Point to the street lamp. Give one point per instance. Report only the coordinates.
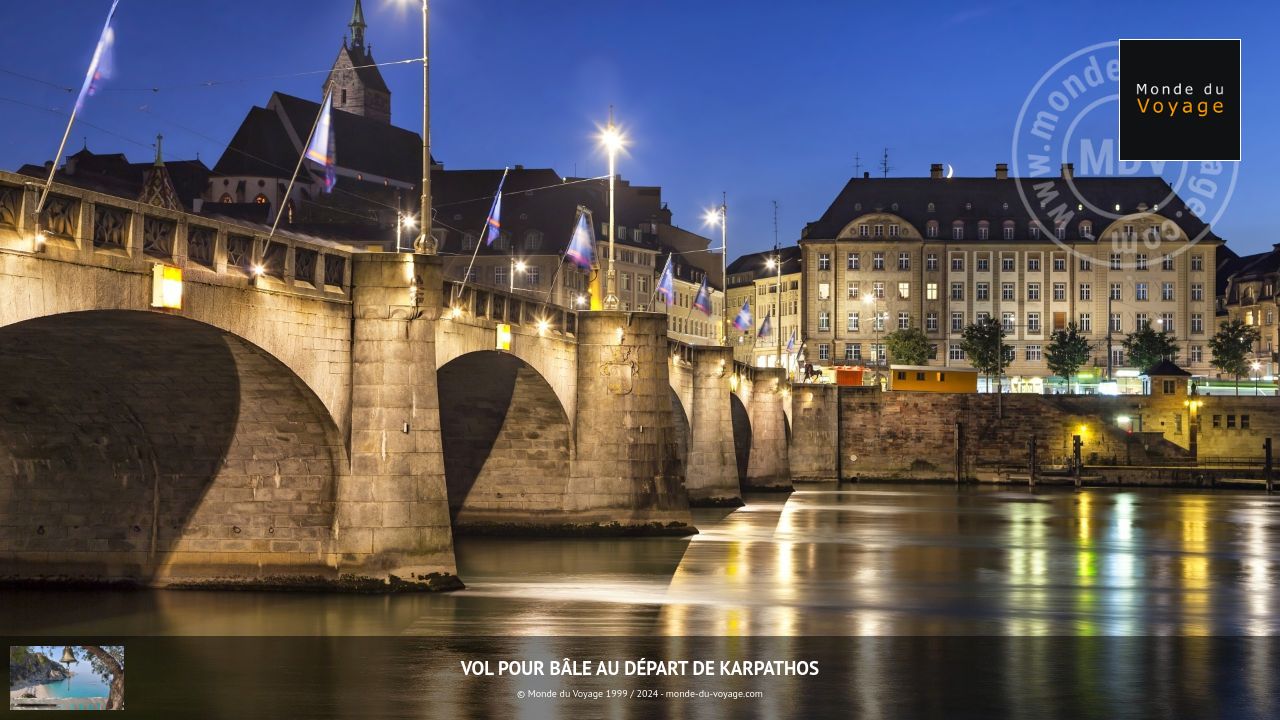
(870, 299)
(423, 238)
(720, 216)
(613, 140)
(517, 266)
(1257, 367)
(775, 263)
(407, 222)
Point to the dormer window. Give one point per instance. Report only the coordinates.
(931, 207)
(984, 230)
(1007, 230)
(957, 230)
(1086, 229)
(931, 227)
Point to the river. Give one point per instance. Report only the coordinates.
(955, 569)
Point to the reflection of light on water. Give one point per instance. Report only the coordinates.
(1193, 512)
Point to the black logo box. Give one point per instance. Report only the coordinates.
(1187, 68)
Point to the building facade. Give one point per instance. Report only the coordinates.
(754, 280)
(685, 322)
(1249, 295)
(941, 253)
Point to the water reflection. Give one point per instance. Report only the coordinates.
(827, 560)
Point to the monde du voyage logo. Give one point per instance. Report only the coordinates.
(1180, 100)
(1177, 103)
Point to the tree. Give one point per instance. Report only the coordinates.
(1066, 352)
(107, 662)
(907, 347)
(1231, 346)
(1147, 347)
(983, 344)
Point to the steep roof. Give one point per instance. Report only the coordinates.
(1165, 368)
(263, 145)
(972, 199)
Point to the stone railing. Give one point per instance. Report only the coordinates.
(93, 228)
(486, 303)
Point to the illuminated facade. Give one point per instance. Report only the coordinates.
(940, 253)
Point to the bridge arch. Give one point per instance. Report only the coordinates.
(309, 334)
(507, 440)
(150, 447)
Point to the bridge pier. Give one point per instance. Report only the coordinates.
(711, 473)
(625, 474)
(768, 467)
(391, 522)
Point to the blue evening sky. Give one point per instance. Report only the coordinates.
(763, 100)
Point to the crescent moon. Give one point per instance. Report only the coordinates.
(950, 171)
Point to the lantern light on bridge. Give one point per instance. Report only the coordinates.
(543, 326)
(504, 337)
(166, 287)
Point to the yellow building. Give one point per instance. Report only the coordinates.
(925, 378)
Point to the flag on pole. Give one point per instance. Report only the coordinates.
(766, 327)
(100, 65)
(320, 149)
(743, 321)
(702, 300)
(666, 284)
(791, 341)
(582, 247)
(493, 225)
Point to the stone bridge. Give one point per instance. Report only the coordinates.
(314, 414)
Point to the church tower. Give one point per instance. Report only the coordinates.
(357, 84)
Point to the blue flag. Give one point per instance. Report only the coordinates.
(743, 321)
(100, 65)
(702, 300)
(666, 284)
(582, 247)
(320, 149)
(766, 327)
(493, 225)
(791, 341)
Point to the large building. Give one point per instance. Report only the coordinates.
(1248, 294)
(754, 280)
(941, 253)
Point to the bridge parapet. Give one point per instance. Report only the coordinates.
(92, 228)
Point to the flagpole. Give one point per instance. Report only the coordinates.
(301, 156)
(75, 110)
(467, 275)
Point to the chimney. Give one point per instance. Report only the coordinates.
(935, 171)
(1002, 171)
(1068, 170)
(866, 174)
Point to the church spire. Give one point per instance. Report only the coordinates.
(357, 26)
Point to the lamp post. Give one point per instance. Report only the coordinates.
(870, 299)
(517, 266)
(426, 136)
(406, 222)
(612, 139)
(1257, 368)
(775, 263)
(720, 216)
